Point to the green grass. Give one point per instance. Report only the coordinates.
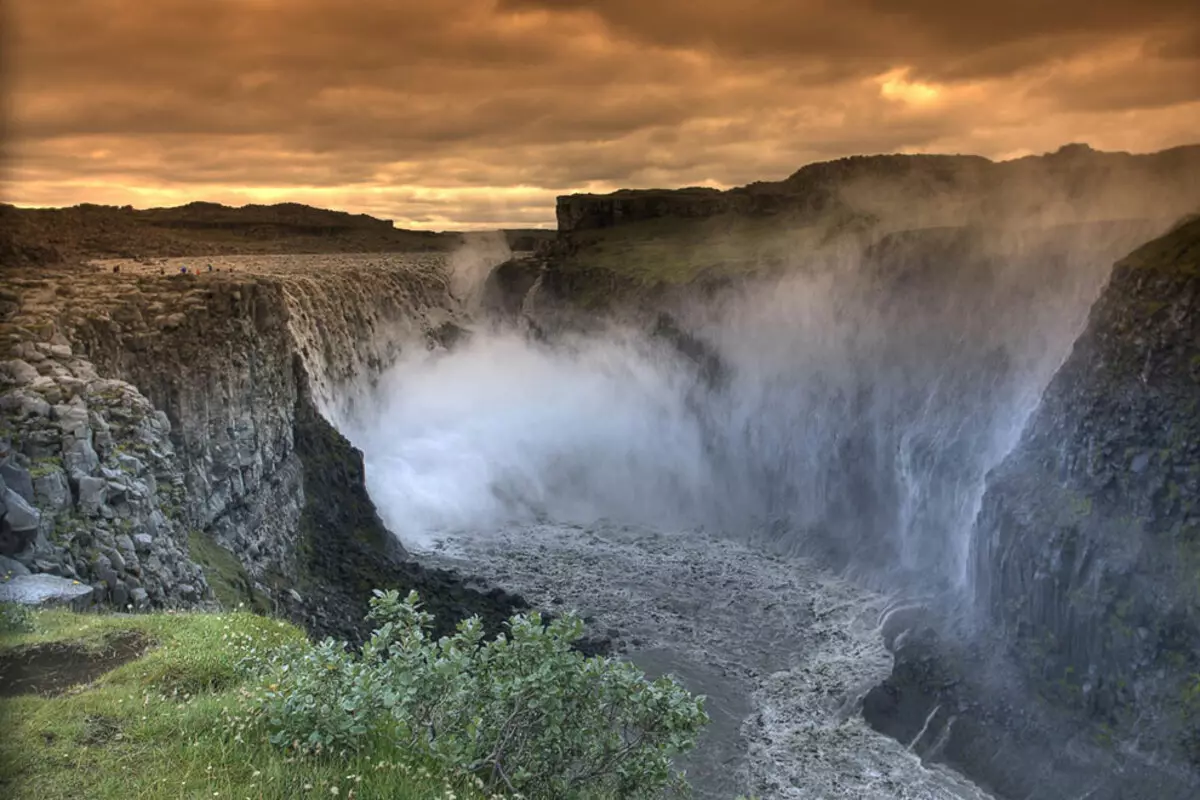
(177, 722)
(673, 251)
(225, 574)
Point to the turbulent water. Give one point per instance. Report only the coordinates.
(839, 420)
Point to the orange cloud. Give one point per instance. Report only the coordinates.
(475, 113)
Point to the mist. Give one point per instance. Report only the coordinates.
(856, 404)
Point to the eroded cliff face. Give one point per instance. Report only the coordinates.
(1087, 548)
(174, 426)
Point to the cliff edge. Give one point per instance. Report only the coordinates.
(162, 442)
(1087, 548)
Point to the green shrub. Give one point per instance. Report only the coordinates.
(15, 618)
(522, 713)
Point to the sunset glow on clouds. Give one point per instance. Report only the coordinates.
(477, 113)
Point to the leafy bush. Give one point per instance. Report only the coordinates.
(15, 618)
(523, 713)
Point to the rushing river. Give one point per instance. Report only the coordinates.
(783, 650)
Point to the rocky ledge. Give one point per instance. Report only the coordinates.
(163, 441)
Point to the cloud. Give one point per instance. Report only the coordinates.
(421, 111)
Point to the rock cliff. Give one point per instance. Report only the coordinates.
(163, 441)
(1087, 548)
(938, 189)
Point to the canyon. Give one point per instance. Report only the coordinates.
(939, 455)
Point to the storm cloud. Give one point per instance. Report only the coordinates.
(476, 113)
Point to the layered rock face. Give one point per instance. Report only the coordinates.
(90, 482)
(166, 447)
(1087, 548)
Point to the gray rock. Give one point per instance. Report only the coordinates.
(120, 595)
(103, 433)
(48, 567)
(42, 444)
(81, 458)
(24, 404)
(27, 351)
(125, 545)
(130, 465)
(73, 386)
(44, 591)
(143, 542)
(187, 591)
(18, 480)
(17, 372)
(140, 598)
(45, 385)
(84, 370)
(92, 494)
(60, 350)
(52, 491)
(117, 492)
(21, 516)
(10, 568)
(72, 420)
(109, 576)
(114, 558)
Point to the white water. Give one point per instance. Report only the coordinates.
(504, 431)
(860, 408)
(857, 417)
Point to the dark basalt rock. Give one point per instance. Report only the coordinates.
(1087, 547)
(345, 552)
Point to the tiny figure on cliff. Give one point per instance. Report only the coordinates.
(210, 267)
(183, 270)
(116, 269)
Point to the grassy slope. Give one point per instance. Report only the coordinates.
(609, 263)
(175, 723)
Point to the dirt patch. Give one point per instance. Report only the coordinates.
(51, 669)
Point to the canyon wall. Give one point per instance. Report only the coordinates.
(169, 437)
(1087, 548)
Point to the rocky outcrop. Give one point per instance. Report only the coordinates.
(90, 481)
(1074, 182)
(167, 432)
(1087, 548)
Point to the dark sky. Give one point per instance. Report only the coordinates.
(476, 113)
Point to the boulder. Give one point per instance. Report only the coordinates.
(17, 372)
(51, 491)
(81, 458)
(24, 405)
(45, 591)
(20, 516)
(11, 568)
(18, 480)
(92, 494)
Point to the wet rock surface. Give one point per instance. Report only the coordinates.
(1087, 547)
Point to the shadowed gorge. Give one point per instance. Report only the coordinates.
(888, 458)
